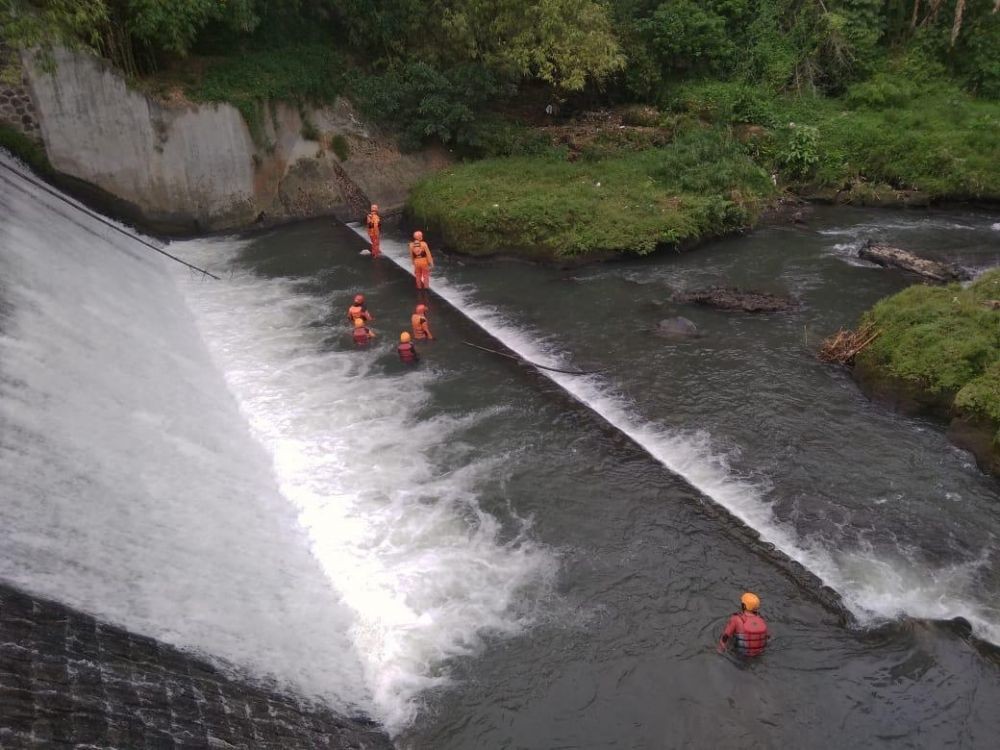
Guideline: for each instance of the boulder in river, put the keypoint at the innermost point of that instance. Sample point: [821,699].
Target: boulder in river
[677,328]
[888,256]
[731,298]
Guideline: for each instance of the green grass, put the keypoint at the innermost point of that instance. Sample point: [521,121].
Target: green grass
[304,73]
[944,340]
[24,148]
[544,206]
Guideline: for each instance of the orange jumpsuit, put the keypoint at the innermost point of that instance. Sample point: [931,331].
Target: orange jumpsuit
[423,262]
[374,222]
[420,328]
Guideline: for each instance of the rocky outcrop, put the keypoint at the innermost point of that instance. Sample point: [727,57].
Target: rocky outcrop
[17,111]
[68,680]
[738,300]
[676,328]
[894,257]
[178,166]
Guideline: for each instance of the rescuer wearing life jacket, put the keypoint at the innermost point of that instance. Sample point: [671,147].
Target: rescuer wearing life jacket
[746,628]
[374,222]
[406,350]
[363,335]
[418,322]
[358,310]
[423,262]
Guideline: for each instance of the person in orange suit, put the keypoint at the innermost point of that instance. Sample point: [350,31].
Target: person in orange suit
[422,259]
[418,322]
[363,335]
[358,310]
[374,222]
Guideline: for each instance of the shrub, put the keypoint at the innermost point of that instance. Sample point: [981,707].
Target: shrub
[800,155]
[340,146]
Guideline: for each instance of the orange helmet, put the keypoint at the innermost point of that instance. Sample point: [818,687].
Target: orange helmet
[404,337]
[750,602]
[418,235]
[421,309]
[359,299]
[358,322]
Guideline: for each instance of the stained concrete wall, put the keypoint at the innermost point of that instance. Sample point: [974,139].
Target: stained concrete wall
[180,166]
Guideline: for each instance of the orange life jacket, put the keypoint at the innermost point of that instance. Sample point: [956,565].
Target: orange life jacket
[419,324]
[420,252]
[374,223]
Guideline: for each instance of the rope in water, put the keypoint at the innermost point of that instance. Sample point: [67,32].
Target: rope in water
[529,362]
[97,217]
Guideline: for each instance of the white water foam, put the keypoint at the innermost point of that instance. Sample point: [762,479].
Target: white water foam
[424,569]
[874,589]
[130,486]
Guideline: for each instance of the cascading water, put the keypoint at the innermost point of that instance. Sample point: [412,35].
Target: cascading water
[294,533]
[130,485]
[874,586]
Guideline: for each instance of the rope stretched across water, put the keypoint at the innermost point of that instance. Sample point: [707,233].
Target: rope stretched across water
[529,362]
[97,217]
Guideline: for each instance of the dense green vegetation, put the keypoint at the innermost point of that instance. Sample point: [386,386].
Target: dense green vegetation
[27,150]
[944,340]
[847,99]
[702,184]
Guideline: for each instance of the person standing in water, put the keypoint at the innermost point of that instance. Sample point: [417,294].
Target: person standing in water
[418,322]
[374,222]
[363,335]
[406,350]
[423,262]
[746,629]
[358,310]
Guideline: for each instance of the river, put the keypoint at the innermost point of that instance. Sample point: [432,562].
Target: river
[501,557]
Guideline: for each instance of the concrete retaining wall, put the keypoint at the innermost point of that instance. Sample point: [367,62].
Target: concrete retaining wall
[179,166]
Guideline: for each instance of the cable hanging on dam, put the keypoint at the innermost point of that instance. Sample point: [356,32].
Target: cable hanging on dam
[97,217]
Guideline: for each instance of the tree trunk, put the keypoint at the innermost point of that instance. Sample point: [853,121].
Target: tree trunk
[893,257]
[916,13]
[957,26]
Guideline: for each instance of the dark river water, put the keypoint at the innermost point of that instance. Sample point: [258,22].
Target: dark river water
[480,554]
[646,529]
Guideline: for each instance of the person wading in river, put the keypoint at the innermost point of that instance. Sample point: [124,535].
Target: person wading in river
[423,262]
[418,322]
[363,335]
[374,222]
[358,310]
[406,350]
[746,628]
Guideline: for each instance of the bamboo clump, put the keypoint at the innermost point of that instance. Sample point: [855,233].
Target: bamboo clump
[843,346]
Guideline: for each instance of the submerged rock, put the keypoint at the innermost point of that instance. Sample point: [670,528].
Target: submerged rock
[677,328]
[894,257]
[731,298]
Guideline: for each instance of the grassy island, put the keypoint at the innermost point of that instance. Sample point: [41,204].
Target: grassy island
[943,343]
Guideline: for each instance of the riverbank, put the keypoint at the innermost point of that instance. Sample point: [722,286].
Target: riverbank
[938,352]
[711,164]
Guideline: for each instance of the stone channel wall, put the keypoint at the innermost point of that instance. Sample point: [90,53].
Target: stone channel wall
[16,108]
[68,680]
[178,166]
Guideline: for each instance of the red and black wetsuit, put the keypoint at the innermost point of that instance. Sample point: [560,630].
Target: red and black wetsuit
[749,633]
[362,336]
[408,353]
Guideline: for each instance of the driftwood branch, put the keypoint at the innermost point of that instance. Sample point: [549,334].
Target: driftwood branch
[843,346]
[894,257]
